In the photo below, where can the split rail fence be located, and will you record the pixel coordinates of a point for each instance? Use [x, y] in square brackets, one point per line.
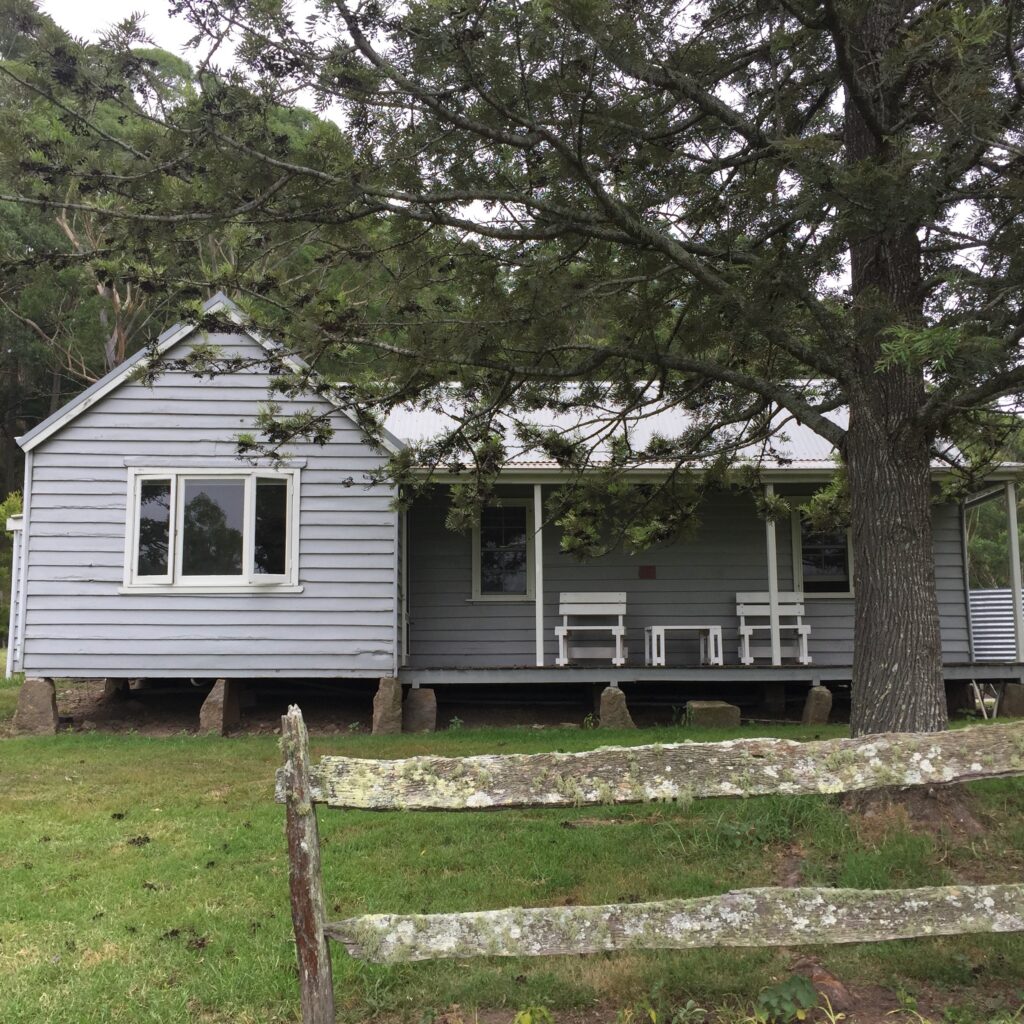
[625, 775]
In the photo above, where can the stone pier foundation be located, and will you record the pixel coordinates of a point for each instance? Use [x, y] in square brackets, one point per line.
[220, 711]
[387, 707]
[419, 712]
[36, 714]
[614, 713]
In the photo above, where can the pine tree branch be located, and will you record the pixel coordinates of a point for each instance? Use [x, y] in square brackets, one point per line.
[71, 112]
[946, 401]
[135, 215]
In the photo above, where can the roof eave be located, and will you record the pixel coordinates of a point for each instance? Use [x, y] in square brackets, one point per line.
[792, 474]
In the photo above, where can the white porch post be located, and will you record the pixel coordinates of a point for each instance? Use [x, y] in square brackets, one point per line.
[538, 569]
[1015, 579]
[773, 582]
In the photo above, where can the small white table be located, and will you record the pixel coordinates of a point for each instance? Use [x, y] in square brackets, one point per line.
[710, 643]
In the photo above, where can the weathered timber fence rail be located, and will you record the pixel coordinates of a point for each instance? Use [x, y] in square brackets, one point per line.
[622, 775]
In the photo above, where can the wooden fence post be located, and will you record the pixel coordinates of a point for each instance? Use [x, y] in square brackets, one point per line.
[316, 986]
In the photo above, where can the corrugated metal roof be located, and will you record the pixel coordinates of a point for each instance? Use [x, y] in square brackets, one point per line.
[794, 446]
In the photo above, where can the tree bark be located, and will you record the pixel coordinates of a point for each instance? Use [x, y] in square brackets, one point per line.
[897, 661]
[897, 656]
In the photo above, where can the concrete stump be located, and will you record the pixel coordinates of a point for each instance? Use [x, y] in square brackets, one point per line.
[817, 706]
[36, 714]
[220, 711]
[1011, 704]
[419, 712]
[712, 714]
[614, 713]
[387, 707]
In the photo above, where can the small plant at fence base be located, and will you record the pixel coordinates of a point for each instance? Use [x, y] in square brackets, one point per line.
[689, 1013]
[785, 1002]
[657, 1008]
[533, 1015]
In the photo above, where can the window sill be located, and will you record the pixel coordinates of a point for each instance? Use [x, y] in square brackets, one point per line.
[501, 600]
[255, 589]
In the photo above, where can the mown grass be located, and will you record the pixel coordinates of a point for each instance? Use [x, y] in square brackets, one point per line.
[8, 691]
[145, 880]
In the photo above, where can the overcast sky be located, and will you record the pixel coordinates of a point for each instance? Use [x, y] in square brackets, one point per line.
[89, 21]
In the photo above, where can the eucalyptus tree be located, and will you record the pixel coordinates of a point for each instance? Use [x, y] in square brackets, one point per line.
[66, 313]
[750, 210]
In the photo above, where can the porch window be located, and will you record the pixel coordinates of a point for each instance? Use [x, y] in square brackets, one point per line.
[503, 553]
[821, 559]
[211, 528]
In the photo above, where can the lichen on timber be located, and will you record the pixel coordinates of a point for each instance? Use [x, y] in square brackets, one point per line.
[749, 917]
[734, 768]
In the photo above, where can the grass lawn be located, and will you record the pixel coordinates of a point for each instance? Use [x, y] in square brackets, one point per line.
[145, 879]
[8, 692]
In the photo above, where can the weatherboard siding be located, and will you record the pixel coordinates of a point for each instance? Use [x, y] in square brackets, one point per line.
[696, 582]
[78, 623]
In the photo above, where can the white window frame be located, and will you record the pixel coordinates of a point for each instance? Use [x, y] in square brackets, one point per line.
[798, 558]
[524, 503]
[174, 580]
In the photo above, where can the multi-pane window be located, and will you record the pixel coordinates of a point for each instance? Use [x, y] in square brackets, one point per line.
[212, 528]
[153, 528]
[503, 552]
[824, 560]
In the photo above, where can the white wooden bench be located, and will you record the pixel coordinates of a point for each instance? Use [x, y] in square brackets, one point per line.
[589, 607]
[757, 605]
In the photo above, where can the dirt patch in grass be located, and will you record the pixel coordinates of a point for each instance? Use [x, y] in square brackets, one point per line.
[107, 952]
[924, 809]
[790, 870]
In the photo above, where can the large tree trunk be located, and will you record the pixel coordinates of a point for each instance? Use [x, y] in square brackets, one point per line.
[897, 656]
[897, 661]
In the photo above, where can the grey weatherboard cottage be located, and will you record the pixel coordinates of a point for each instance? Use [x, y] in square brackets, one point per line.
[147, 548]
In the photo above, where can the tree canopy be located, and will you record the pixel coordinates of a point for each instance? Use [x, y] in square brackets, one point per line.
[746, 210]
